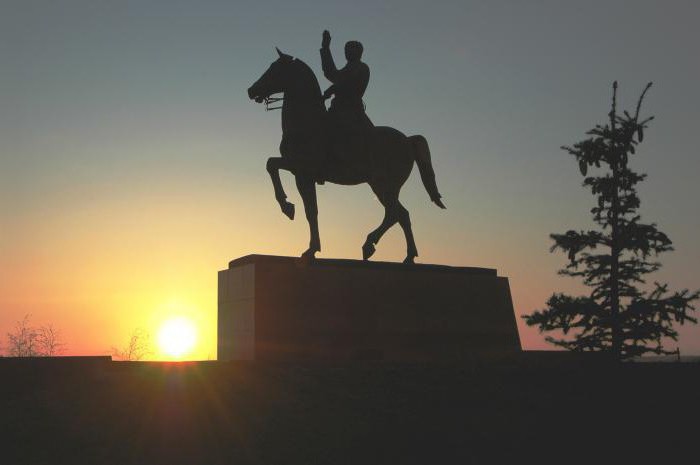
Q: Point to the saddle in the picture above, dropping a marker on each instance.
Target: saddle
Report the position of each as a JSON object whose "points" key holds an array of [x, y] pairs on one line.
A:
{"points": [[347, 141], [342, 146]]}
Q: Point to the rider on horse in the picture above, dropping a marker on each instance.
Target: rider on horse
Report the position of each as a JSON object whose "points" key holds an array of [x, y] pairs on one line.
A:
{"points": [[347, 111], [383, 158]]}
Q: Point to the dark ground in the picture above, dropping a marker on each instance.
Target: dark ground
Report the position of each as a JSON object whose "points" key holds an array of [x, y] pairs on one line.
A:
{"points": [[526, 410]]}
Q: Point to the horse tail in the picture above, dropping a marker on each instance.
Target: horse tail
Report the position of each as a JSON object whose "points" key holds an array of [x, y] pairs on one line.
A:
{"points": [[425, 166]]}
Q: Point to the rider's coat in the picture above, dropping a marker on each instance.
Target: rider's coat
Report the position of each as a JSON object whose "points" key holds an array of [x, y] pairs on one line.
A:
{"points": [[347, 110]]}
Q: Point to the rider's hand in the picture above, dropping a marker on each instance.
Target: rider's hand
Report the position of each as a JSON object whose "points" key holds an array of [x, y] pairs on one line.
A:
{"points": [[326, 41]]}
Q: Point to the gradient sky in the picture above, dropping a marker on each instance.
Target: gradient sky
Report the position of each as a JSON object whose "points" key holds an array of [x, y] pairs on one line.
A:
{"points": [[132, 164]]}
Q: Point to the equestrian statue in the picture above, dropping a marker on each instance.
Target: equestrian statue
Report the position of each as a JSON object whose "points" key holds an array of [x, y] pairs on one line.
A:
{"points": [[340, 145]]}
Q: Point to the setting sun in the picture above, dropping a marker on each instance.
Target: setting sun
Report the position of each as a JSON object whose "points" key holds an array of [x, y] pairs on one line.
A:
{"points": [[177, 337]]}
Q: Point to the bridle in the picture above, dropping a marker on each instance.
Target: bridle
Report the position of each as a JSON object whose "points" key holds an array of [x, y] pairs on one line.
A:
{"points": [[270, 101]]}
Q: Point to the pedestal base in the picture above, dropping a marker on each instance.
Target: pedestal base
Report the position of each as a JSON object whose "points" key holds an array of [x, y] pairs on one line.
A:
{"points": [[280, 308]]}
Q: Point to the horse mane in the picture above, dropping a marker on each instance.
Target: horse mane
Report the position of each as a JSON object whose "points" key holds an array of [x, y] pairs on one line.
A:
{"points": [[307, 76]]}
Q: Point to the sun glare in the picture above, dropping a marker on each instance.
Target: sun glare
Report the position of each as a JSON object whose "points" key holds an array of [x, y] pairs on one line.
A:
{"points": [[177, 337]]}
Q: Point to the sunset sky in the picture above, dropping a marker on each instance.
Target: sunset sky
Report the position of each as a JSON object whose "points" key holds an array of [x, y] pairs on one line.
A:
{"points": [[132, 164]]}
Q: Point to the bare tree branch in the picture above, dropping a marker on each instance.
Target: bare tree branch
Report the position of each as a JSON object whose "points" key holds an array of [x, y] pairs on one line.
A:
{"points": [[29, 341], [138, 347], [22, 341], [49, 342]]}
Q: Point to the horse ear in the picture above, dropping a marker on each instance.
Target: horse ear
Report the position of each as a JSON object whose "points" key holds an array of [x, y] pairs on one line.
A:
{"points": [[283, 55]]}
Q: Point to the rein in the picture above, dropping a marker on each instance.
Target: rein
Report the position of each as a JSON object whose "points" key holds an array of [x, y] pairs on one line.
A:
{"points": [[270, 101]]}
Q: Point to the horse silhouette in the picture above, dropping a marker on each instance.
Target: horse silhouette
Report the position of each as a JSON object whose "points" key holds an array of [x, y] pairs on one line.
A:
{"points": [[313, 152]]}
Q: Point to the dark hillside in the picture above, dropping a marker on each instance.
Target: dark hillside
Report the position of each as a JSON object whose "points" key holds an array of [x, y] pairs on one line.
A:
{"points": [[237, 413]]}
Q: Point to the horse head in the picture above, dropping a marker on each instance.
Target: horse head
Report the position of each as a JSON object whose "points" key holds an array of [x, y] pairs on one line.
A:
{"points": [[273, 81]]}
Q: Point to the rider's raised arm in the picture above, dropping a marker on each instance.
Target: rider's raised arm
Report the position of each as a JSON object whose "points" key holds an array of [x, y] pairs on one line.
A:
{"points": [[328, 65]]}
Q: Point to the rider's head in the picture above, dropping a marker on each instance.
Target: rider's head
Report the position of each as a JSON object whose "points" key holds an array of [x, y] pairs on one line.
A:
{"points": [[353, 50]]}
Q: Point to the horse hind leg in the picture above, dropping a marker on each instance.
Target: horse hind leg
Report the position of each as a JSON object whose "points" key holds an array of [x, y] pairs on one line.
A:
{"points": [[388, 200], [373, 238], [387, 190], [274, 165], [405, 222]]}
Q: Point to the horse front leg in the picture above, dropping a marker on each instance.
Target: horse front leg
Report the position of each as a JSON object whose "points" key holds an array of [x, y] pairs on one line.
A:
{"points": [[307, 190], [274, 165]]}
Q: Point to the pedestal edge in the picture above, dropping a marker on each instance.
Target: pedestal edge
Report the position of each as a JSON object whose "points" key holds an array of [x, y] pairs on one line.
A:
{"points": [[347, 263]]}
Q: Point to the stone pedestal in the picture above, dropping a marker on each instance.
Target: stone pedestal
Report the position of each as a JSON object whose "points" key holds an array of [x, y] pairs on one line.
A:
{"points": [[280, 308]]}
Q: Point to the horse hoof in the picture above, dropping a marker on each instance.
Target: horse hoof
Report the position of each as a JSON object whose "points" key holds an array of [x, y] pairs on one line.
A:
{"points": [[288, 209], [309, 254], [367, 250], [409, 260]]}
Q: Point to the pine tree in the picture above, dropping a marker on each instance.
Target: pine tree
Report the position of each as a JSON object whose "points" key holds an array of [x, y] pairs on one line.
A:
{"points": [[617, 316]]}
